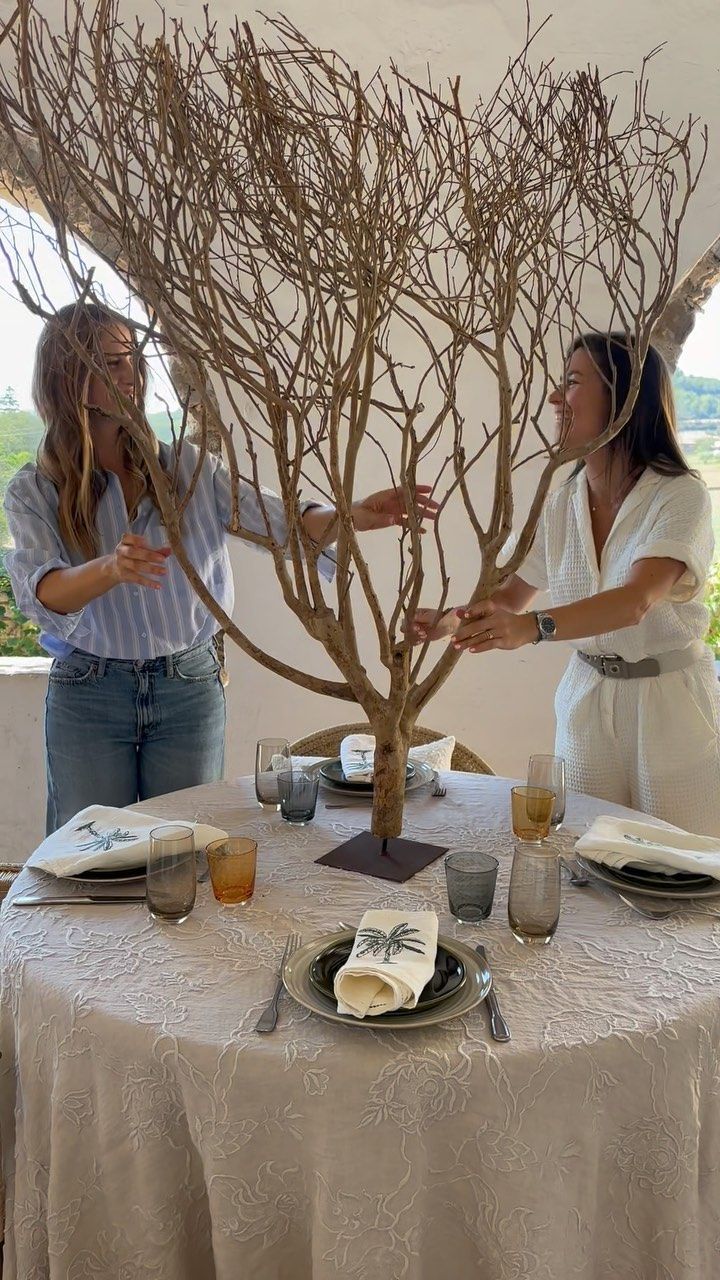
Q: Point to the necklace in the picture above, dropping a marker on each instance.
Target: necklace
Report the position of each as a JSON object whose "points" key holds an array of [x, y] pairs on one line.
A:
{"points": [[617, 501]]}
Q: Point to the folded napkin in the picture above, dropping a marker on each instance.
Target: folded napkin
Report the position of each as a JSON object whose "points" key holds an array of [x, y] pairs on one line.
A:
{"points": [[356, 756], [614, 842], [392, 959], [109, 839], [357, 753]]}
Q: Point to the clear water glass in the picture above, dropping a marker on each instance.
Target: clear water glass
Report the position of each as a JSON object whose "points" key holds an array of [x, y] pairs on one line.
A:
{"points": [[171, 879], [298, 791], [272, 755], [549, 771], [534, 894], [471, 881]]}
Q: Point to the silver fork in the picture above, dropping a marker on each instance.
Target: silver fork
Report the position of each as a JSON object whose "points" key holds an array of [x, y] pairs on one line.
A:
{"points": [[438, 790], [268, 1017], [648, 909]]}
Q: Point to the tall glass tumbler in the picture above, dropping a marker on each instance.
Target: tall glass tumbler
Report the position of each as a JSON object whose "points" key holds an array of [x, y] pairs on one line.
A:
{"points": [[171, 879], [534, 894], [272, 756], [549, 771]]}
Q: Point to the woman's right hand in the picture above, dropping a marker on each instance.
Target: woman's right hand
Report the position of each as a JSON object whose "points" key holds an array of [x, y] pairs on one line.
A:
{"points": [[135, 560], [430, 624]]}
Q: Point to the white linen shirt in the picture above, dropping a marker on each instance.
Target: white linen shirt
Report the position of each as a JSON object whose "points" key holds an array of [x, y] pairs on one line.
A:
{"points": [[662, 516]]}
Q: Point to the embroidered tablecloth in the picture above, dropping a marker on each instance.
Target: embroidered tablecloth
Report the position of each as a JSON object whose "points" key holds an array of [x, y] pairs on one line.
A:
{"points": [[149, 1132]]}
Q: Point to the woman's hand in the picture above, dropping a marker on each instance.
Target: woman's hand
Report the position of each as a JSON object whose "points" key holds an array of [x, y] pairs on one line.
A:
{"points": [[388, 507], [134, 560], [430, 624], [488, 626]]}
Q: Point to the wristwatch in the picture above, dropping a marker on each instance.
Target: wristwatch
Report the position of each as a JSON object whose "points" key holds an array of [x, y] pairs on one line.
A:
{"points": [[546, 625]]}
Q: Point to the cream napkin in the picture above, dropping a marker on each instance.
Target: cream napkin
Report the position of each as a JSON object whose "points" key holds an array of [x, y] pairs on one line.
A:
{"points": [[392, 959], [109, 839], [614, 842], [356, 756], [357, 753]]}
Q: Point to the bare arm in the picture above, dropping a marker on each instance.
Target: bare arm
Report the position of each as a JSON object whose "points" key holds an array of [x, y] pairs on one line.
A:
{"points": [[133, 560], [487, 626], [513, 596]]}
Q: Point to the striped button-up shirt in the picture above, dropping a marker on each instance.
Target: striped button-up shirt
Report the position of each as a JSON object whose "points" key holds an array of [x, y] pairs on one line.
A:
{"points": [[132, 621]]}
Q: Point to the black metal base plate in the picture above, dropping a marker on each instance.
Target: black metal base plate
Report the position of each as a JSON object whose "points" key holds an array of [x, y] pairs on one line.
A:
{"points": [[394, 859]]}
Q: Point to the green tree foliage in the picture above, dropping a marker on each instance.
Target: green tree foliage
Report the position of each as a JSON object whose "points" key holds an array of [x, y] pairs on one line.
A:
{"points": [[18, 636], [696, 398]]}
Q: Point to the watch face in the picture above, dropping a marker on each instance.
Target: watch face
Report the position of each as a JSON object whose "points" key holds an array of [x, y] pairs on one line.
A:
{"points": [[547, 624]]}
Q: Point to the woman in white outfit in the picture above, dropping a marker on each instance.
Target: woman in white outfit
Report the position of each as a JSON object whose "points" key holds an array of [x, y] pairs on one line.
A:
{"points": [[623, 548]]}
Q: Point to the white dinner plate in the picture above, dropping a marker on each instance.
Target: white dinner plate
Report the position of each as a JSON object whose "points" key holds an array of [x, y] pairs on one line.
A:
{"points": [[296, 976]]}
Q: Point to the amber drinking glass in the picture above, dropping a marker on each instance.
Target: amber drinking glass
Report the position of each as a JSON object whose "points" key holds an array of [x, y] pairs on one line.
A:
{"points": [[532, 809], [232, 862]]}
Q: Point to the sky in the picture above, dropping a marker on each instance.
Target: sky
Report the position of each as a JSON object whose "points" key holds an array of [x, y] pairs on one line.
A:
{"points": [[20, 328]]}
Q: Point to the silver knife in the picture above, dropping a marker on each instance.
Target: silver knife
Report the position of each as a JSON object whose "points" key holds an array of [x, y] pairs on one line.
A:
{"points": [[104, 900], [499, 1028]]}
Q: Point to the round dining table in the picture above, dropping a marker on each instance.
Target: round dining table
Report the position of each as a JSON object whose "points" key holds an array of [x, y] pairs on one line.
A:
{"points": [[149, 1132]]}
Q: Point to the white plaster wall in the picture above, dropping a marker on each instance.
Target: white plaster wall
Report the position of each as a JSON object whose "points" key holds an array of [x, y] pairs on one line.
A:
{"points": [[500, 704]]}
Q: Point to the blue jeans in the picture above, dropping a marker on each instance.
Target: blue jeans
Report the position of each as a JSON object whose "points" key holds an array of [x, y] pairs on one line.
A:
{"points": [[119, 731]]}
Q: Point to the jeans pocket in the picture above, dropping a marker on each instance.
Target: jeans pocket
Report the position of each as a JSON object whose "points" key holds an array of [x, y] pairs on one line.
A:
{"points": [[196, 666], [73, 670]]}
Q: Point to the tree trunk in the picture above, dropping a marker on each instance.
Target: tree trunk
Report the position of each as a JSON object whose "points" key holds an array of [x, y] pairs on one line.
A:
{"points": [[391, 748]]}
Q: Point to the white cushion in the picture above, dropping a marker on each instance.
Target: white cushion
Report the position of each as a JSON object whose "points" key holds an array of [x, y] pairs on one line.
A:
{"points": [[437, 754]]}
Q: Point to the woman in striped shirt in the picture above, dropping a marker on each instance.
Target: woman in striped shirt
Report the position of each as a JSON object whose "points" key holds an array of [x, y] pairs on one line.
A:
{"points": [[135, 706]]}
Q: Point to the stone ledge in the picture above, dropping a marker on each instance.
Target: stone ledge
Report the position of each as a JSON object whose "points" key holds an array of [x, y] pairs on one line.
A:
{"points": [[24, 666]]}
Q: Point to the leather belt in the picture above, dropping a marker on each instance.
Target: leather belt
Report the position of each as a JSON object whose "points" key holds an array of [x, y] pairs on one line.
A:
{"points": [[611, 664]]}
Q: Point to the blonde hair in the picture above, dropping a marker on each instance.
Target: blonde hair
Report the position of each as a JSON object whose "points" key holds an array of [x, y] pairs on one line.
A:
{"points": [[66, 455]]}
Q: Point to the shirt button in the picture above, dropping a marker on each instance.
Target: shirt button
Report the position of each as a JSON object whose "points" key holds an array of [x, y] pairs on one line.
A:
{"points": [[143, 635], [136, 593]]}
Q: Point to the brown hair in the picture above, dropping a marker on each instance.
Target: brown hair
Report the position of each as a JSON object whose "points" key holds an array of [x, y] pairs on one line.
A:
{"points": [[649, 437], [66, 455]]}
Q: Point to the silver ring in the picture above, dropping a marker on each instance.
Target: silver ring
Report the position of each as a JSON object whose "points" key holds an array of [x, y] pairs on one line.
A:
{"points": [[489, 635]]}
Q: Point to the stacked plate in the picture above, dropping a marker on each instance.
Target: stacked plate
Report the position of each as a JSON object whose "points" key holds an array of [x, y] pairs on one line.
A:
{"points": [[332, 776], [460, 981], [657, 884], [116, 875]]}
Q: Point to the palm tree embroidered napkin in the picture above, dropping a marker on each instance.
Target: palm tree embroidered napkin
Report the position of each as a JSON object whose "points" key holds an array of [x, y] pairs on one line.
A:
{"points": [[108, 839], [392, 959], [618, 841]]}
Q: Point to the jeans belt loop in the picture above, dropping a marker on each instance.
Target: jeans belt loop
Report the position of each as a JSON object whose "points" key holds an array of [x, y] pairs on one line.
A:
{"points": [[169, 666], [102, 663]]}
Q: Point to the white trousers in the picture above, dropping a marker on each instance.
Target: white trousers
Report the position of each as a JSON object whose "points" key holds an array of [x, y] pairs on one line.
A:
{"points": [[652, 743]]}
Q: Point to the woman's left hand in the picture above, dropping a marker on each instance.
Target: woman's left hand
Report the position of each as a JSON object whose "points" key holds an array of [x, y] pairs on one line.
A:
{"points": [[388, 507], [487, 626]]}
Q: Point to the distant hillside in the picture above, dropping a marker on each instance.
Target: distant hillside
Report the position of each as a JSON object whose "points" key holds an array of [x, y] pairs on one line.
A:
{"points": [[696, 398]]}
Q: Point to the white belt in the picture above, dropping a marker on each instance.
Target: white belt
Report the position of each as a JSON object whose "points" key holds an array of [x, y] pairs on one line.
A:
{"points": [[611, 664]]}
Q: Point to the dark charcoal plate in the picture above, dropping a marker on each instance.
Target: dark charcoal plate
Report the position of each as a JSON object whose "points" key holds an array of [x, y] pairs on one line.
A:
{"points": [[110, 875], [448, 977], [639, 876], [332, 772]]}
